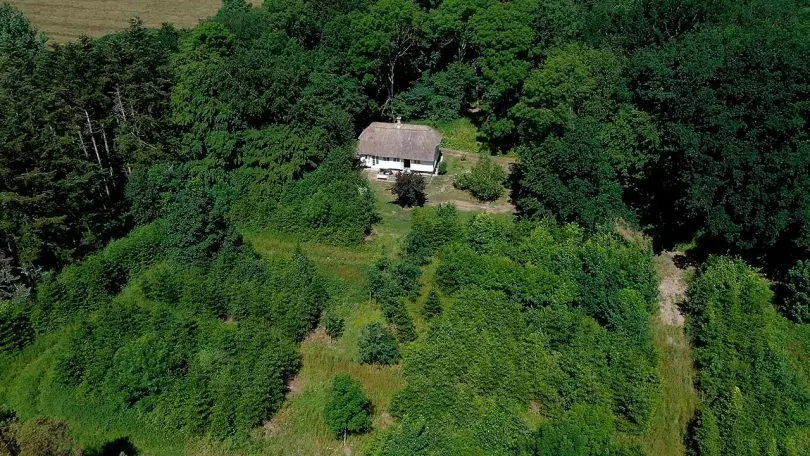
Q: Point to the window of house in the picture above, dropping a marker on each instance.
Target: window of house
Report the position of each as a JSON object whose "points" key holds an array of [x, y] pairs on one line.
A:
{"points": [[375, 160]]}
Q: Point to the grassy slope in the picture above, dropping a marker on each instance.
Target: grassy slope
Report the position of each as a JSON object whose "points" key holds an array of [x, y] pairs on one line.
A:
{"points": [[27, 387]]}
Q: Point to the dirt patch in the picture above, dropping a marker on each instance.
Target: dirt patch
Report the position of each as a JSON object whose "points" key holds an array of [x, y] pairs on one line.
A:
{"points": [[385, 421], [672, 289]]}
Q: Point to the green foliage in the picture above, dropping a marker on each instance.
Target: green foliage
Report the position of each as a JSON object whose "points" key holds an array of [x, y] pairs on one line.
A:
{"points": [[753, 385], [431, 228], [409, 188], [334, 324], [347, 411], [582, 430], [334, 204], [76, 119], [516, 329], [377, 345], [433, 305], [442, 167], [42, 436], [484, 181], [797, 301]]}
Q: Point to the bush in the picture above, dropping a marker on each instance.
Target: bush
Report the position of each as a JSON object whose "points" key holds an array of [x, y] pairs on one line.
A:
{"points": [[433, 305], [443, 167], [347, 412], [796, 305], [484, 181], [409, 188], [333, 324], [377, 345]]}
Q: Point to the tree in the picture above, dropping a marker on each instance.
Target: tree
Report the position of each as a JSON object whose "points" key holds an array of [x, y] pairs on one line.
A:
{"points": [[333, 324], [484, 181], [43, 437], [377, 345], [409, 188], [347, 411], [797, 301], [433, 305]]}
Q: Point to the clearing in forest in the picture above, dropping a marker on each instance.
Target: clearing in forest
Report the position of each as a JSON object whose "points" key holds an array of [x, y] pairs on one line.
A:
{"points": [[679, 399], [64, 20]]}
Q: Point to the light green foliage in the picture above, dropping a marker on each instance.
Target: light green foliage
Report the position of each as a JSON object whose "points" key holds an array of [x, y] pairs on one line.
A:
{"points": [[484, 181], [377, 345], [431, 228], [755, 395], [348, 409], [513, 332]]}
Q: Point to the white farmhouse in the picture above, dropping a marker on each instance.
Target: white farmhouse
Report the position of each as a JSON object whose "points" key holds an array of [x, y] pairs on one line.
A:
{"points": [[399, 147]]}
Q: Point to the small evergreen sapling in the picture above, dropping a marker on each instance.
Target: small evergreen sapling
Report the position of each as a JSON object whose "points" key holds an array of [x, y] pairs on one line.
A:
{"points": [[433, 305], [377, 345], [347, 412], [334, 324]]}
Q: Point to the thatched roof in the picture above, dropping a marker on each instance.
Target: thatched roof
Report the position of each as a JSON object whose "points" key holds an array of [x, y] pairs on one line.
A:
{"points": [[414, 142]]}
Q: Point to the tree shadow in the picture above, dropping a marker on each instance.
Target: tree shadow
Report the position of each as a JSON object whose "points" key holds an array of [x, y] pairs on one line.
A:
{"points": [[118, 447]]}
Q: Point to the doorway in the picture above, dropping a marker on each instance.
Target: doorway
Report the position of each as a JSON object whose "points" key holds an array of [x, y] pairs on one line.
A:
{"points": [[407, 163]]}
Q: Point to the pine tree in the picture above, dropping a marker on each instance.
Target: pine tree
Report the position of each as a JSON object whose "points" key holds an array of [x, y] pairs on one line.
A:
{"points": [[348, 409], [433, 305]]}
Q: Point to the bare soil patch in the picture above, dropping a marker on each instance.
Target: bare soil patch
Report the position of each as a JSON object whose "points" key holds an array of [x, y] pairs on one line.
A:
{"points": [[672, 289]]}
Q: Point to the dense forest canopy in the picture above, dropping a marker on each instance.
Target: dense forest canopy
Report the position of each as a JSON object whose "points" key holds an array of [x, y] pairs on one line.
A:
{"points": [[134, 165]]}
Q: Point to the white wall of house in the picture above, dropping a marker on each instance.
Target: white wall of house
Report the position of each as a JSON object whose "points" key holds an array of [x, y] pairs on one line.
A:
{"points": [[396, 164], [377, 162]]}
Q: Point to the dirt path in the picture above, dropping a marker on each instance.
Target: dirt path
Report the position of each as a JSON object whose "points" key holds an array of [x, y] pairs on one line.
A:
{"points": [[670, 420], [672, 289]]}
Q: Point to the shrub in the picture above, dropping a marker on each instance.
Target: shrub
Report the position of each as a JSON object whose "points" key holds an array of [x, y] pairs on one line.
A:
{"points": [[796, 305], [484, 181], [443, 167], [377, 345], [333, 324], [433, 305], [409, 189], [348, 409]]}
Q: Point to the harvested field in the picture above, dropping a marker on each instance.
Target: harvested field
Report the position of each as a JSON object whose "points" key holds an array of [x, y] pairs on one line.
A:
{"points": [[65, 20]]}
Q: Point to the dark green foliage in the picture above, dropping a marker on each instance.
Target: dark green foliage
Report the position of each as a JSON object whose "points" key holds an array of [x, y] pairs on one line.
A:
{"points": [[583, 430], [389, 285], [752, 379], [734, 131], [409, 188], [433, 305], [797, 300], [431, 228], [333, 324], [484, 181], [16, 330], [347, 411], [377, 345], [442, 167], [196, 227], [334, 204], [75, 121]]}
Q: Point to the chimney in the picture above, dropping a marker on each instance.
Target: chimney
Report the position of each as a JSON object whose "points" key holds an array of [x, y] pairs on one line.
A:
{"points": [[399, 121]]}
